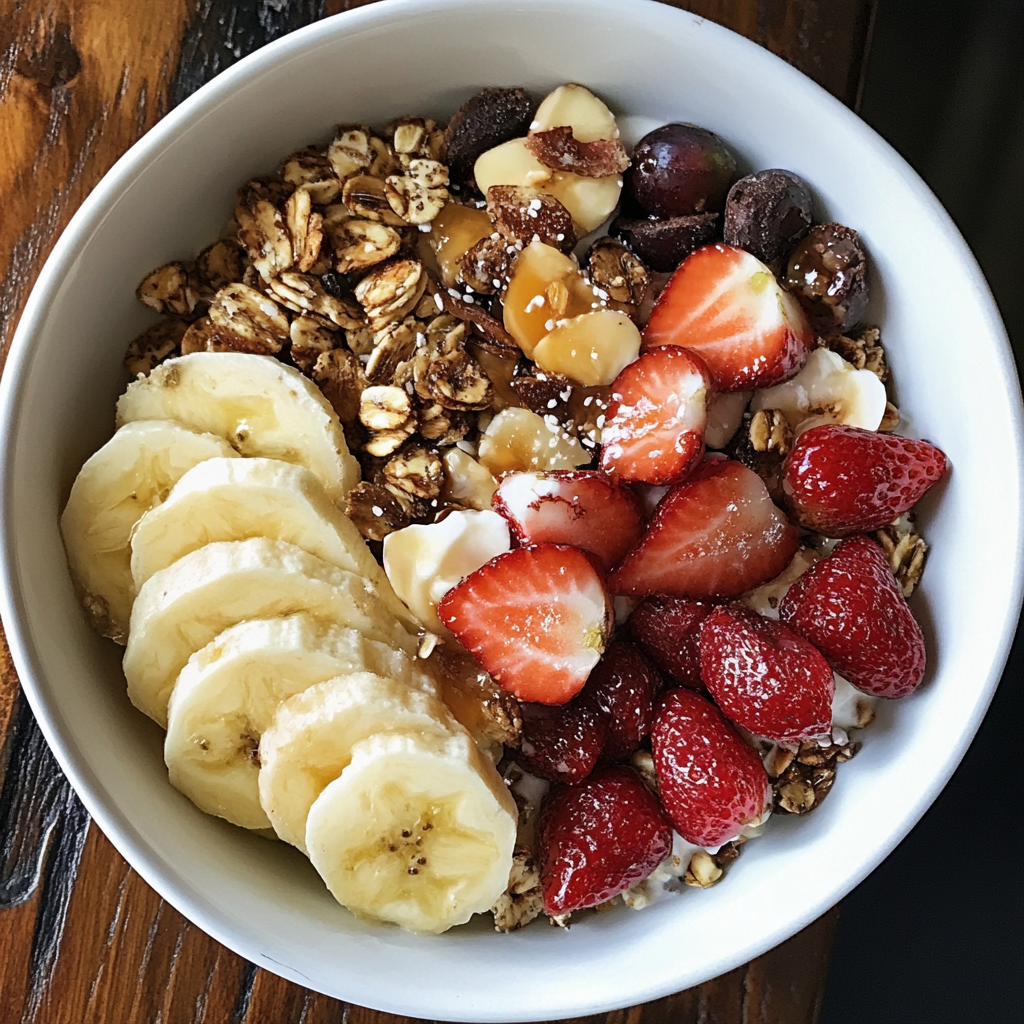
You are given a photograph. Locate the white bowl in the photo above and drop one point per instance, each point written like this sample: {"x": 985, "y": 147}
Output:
{"x": 171, "y": 193}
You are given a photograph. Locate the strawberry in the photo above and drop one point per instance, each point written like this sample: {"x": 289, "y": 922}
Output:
{"x": 585, "y": 509}
{"x": 764, "y": 677}
{"x": 536, "y": 619}
{"x": 850, "y": 607}
{"x": 717, "y": 534}
{"x": 624, "y": 685}
{"x": 726, "y": 306}
{"x": 654, "y": 432}
{"x": 666, "y": 630}
{"x": 841, "y": 479}
{"x": 598, "y": 839}
{"x": 711, "y": 781}
{"x": 563, "y": 743}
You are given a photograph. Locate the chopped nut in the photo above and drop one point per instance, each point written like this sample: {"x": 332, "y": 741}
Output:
{"x": 778, "y": 760}
{"x": 254, "y": 321}
{"x": 864, "y": 350}
{"x": 154, "y": 345}
{"x": 767, "y": 461}
{"x": 218, "y": 265}
{"x": 523, "y": 900}
{"x": 524, "y": 215}
{"x": 484, "y": 266}
{"x": 384, "y": 408}
{"x": 339, "y": 375}
{"x": 375, "y": 511}
{"x": 770, "y": 432}
{"x": 890, "y": 419}
{"x": 359, "y": 244}
{"x": 547, "y": 394}
{"x": 615, "y": 270}
{"x": 805, "y": 783}
{"x": 493, "y": 333}
{"x": 703, "y": 871}
{"x": 304, "y": 293}
{"x": 391, "y": 346}
{"x": 415, "y": 472}
{"x": 391, "y": 291}
{"x": 305, "y": 228}
{"x": 311, "y": 336}
{"x": 366, "y": 197}
{"x": 559, "y": 149}
{"x": 418, "y": 195}
{"x": 172, "y": 288}
{"x": 906, "y": 552}
{"x": 445, "y": 370}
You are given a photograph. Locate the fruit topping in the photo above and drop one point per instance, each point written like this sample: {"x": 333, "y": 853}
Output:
{"x": 654, "y": 431}
{"x": 453, "y": 233}
{"x": 664, "y": 244}
{"x": 599, "y": 839}
{"x": 764, "y": 677}
{"x": 841, "y": 479}
{"x": 828, "y": 273}
{"x": 563, "y": 742}
{"x": 485, "y": 120}
{"x": 679, "y": 170}
{"x": 850, "y": 607}
{"x": 536, "y": 618}
{"x": 585, "y": 509}
{"x": 717, "y": 534}
{"x": 520, "y": 440}
{"x": 767, "y": 213}
{"x": 666, "y": 629}
{"x": 624, "y": 686}
{"x": 577, "y": 107}
{"x": 711, "y": 782}
{"x": 591, "y": 349}
{"x": 726, "y": 306}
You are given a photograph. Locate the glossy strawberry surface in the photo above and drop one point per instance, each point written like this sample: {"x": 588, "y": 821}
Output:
{"x": 850, "y": 607}
{"x": 563, "y": 743}
{"x": 598, "y": 839}
{"x": 726, "y": 306}
{"x": 711, "y": 781}
{"x": 654, "y": 431}
{"x": 764, "y": 677}
{"x": 840, "y": 479}
{"x": 624, "y": 685}
{"x": 666, "y": 630}
{"x": 717, "y": 534}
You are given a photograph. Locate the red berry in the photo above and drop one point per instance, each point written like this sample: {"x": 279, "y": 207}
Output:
{"x": 583, "y": 508}
{"x": 598, "y": 839}
{"x": 563, "y": 743}
{"x": 764, "y": 677}
{"x": 850, "y": 607}
{"x": 711, "y": 781}
{"x": 726, "y": 306}
{"x": 666, "y": 630}
{"x": 624, "y": 685}
{"x": 536, "y": 618}
{"x": 717, "y": 534}
{"x": 654, "y": 431}
{"x": 841, "y": 480}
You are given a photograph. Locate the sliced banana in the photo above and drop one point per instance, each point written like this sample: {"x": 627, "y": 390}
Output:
{"x": 310, "y": 741}
{"x": 182, "y": 608}
{"x": 235, "y": 499}
{"x": 132, "y": 472}
{"x": 227, "y": 695}
{"x": 258, "y": 404}
{"x": 417, "y": 834}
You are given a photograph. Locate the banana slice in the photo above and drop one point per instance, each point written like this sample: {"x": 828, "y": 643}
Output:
{"x": 310, "y": 741}
{"x": 227, "y": 694}
{"x": 133, "y": 471}
{"x": 256, "y": 403}
{"x": 182, "y": 608}
{"x": 234, "y": 499}
{"x": 418, "y": 834}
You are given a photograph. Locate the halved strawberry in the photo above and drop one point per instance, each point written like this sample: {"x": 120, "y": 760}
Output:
{"x": 654, "y": 432}
{"x": 717, "y": 534}
{"x": 537, "y": 619}
{"x": 726, "y": 306}
{"x": 585, "y": 509}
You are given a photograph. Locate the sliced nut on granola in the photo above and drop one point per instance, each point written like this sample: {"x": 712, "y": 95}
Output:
{"x": 250, "y": 316}
{"x": 375, "y": 511}
{"x": 446, "y": 372}
{"x": 304, "y": 293}
{"x": 525, "y": 215}
{"x": 490, "y": 333}
{"x": 391, "y": 346}
{"x": 809, "y": 777}
{"x": 906, "y": 552}
{"x": 366, "y": 197}
{"x": 154, "y": 345}
{"x": 559, "y": 149}
{"x": 218, "y": 265}
{"x": 339, "y": 375}
{"x": 523, "y": 900}
{"x": 311, "y": 336}
{"x": 172, "y": 288}
{"x": 262, "y": 229}
{"x": 418, "y": 195}
{"x": 485, "y": 266}
{"x": 360, "y": 244}
{"x": 305, "y": 228}
{"x": 540, "y": 392}
{"x": 615, "y": 270}
{"x": 391, "y": 291}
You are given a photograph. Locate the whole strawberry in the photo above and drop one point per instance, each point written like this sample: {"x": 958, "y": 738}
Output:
{"x": 624, "y": 685}
{"x": 563, "y": 742}
{"x": 598, "y": 839}
{"x": 850, "y": 607}
{"x": 666, "y": 630}
{"x": 841, "y": 480}
{"x": 764, "y": 677}
{"x": 711, "y": 781}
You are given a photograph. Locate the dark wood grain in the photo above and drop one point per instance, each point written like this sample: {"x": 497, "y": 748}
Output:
{"x": 82, "y": 939}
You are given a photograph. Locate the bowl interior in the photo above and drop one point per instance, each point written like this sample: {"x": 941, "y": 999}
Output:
{"x": 173, "y": 192}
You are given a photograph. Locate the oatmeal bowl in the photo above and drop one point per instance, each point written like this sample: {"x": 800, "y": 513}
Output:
{"x": 425, "y": 470}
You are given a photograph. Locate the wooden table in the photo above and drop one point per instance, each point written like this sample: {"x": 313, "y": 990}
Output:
{"x": 83, "y": 939}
